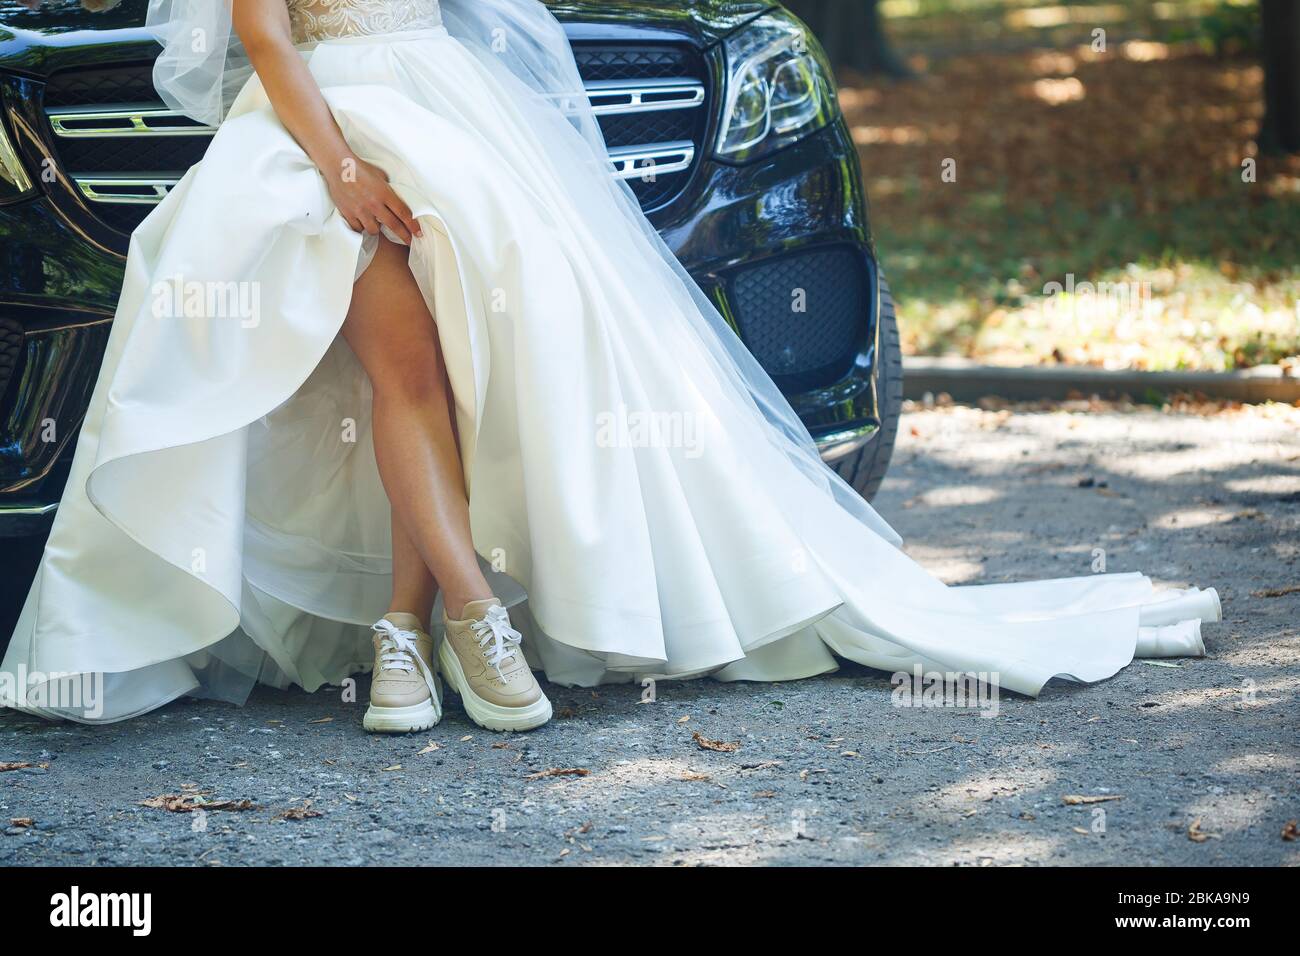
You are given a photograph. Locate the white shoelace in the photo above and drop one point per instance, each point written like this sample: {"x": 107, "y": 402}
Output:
{"x": 398, "y": 651}
{"x": 495, "y": 628}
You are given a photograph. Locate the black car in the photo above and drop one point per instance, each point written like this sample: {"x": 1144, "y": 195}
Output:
{"x": 758, "y": 193}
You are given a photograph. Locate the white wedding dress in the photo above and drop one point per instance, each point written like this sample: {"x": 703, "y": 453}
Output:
{"x": 224, "y": 522}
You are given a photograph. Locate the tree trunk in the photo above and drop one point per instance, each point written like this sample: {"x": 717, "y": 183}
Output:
{"x": 878, "y": 54}
{"x": 853, "y": 33}
{"x": 1280, "y": 51}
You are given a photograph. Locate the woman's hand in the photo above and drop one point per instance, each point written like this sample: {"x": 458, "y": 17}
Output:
{"x": 360, "y": 190}
{"x": 367, "y": 202}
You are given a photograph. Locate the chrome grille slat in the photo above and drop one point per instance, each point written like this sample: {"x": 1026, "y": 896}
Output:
{"x": 620, "y": 97}
{"x": 126, "y": 120}
{"x": 149, "y": 190}
{"x": 608, "y": 97}
{"x": 635, "y": 162}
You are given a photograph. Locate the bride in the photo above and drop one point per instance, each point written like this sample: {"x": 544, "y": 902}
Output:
{"x": 390, "y": 351}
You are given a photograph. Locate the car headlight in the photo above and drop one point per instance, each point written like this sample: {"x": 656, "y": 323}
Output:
{"x": 779, "y": 88}
{"x": 14, "y": 181}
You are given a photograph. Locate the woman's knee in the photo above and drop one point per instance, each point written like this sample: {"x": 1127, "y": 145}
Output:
{"x": 392, "y": 331}
{"x": 410, "y": 371}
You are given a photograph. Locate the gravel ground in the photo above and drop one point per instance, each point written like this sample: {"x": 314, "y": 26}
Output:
{"x": 1201, "y": 758}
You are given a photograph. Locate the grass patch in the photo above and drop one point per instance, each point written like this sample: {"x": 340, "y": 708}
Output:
{"x": 1119, "y": 173}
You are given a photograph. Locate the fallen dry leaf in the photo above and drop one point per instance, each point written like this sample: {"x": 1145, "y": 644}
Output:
{"x": 396, "y": 766}
{"x": 702, "y": 777}
{"x": 559, "y": 772}
{"x": 22, "y": 821}
{"x": 765, "y": 794}
{"x": 720, "y": 746}
{"x": 1290, "y": 831}
{"x": 1276, "y": 592}
{"x": 188, "y": 803}
{"x": 321, "y": 720}
{"x": 682, "y": 720}
{"x": 22, "y": 766}
{"x": 1080, "y": 830}
{"x": 429, "y": 749}
{"x": 1075, "y": 799}
{"x": 304, "y": 812}
{"x": 1197, "y": 835}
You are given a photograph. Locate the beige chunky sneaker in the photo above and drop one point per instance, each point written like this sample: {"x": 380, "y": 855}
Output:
{"x": 405, "y": 693}
{"x": 483, "y": 662}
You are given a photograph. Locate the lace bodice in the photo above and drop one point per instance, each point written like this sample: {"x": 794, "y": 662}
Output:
{"x": 328, "y": 19}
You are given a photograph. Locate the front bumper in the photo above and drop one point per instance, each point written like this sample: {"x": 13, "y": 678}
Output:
{"x": 795, "y": 222}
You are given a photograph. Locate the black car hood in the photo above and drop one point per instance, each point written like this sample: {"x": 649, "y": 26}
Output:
{"x": 707, "y": 19}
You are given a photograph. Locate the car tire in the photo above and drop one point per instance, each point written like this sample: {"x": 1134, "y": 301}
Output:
{"x": 865, "y": 470}
{"x": 22, "y": 558}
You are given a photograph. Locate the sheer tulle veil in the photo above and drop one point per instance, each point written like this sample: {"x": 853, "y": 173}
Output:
{"x": 203, "y": 67}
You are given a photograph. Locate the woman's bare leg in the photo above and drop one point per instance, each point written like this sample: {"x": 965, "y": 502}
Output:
{"x": 394, "y": 337}
{"x": 414, "y": 588}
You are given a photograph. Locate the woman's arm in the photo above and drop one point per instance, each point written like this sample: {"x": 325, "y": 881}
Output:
{"x": 359, "y": 189}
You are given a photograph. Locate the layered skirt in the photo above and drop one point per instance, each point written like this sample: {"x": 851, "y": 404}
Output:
{"x": 224, "y": 522}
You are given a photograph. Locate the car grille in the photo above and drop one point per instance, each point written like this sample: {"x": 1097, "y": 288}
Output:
{"x": 125, "y": 149}
{"x": 11, "y": 348}
{"x": 804, "y": 316}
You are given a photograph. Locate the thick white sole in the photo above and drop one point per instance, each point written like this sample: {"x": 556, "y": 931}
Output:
{"x": 405, "y": 720}
{"x": 486, "y": 714}
{"x": 1217, "y": 605}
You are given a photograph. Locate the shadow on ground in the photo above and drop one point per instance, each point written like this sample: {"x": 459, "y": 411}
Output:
{"x": 1200, "y": 757}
